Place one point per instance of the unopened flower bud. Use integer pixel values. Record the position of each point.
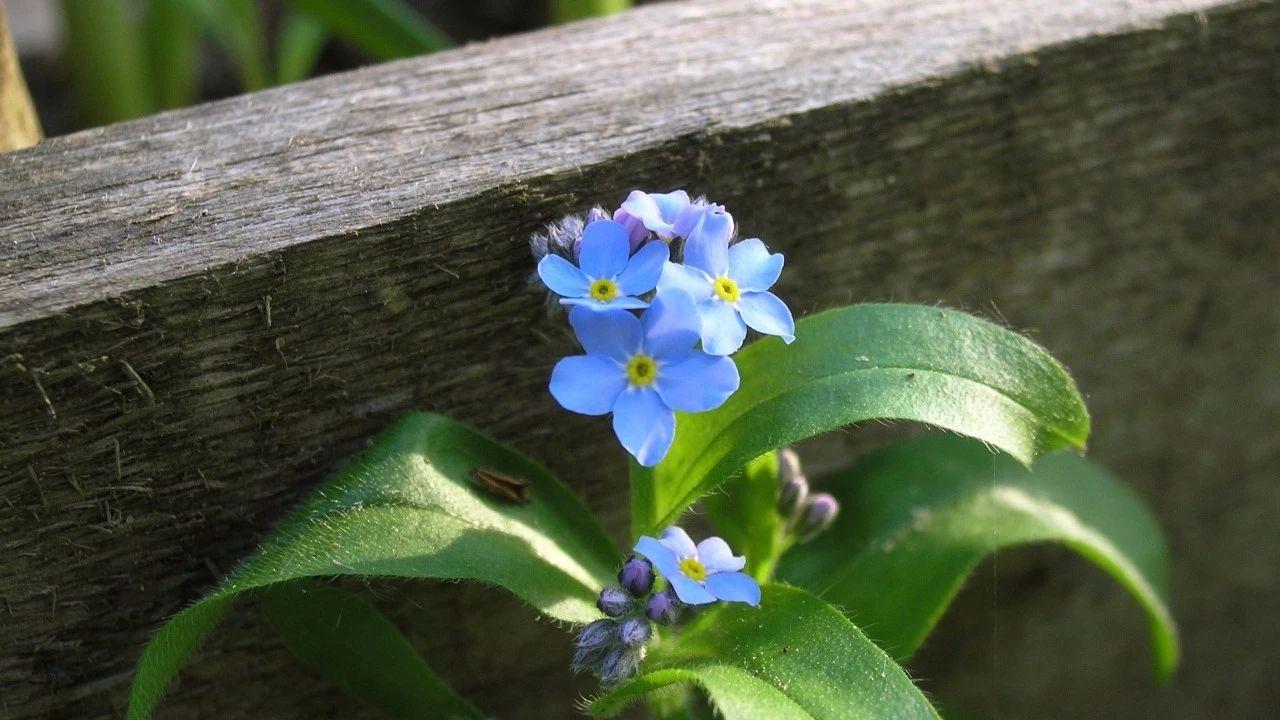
(594, 641)
(636, 576)
(635, 631)
(620, 664)
(663, 608)
(788, 465)
(793, 495)
(818, 516)
(614, 602)
(597, 213)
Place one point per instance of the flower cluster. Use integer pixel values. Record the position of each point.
(613, 647)
(675, 261)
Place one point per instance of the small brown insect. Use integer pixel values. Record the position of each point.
(511, 489)
(788, 649)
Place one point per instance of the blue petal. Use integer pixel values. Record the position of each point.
(698, 383)
(765, 313)
(734, 587)
(752, 267)
(679, 542)
(682, 277)
(716, 557)
(689, 591)
(562, 277)
(644, 425)
(587, 384)
(722, 330)
(605, 249)
(671, 326)
(658, 554)
(708, 245)
(613, 333)
(621, 302)
(644, 269)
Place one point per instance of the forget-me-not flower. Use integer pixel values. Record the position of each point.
(730, 285)
(608, 276)
(701, 573)
(641, 370)
(667, 215)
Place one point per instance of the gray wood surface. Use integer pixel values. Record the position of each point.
(202, 312)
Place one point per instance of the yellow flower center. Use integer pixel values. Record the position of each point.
(693, 569)
(727, 289)
(642, 370)
(604, 290)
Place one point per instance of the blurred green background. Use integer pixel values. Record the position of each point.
(93, 62)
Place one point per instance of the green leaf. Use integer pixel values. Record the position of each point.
(237, 28)
(358, 649)
(409, 508)
(904, 362)
(917, 517)
(106, 55)
(744, 511)
(386, 29)
(173, 51)
(793, 658)
(302, 37)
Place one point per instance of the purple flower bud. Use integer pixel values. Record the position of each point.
(663, 608)
(635, 632)
(600, 633)
(818, 516)
(636, 576)
(614, 602)
(594, 642)
(597, 213)
(620, 664)
(793, 495)
(788, 465)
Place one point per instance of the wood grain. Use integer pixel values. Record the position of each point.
(203, 312)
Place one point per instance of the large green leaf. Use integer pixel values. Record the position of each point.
(359, 650)
(409, 508)
(918, 516)
(793, 658)
(907, 362)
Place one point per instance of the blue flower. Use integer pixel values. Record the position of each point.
(668, 215)
(607, 275)
(641, 370)
(730, 286)
(699, 574)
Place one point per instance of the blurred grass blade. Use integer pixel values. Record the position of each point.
(866, 362)
(409, 508)
(358, 649)
(793, 658)
(237, 28)
(386, 29)
(107, 60)
(570, 10)
(173, 52)
(918, 516)
(298, 47)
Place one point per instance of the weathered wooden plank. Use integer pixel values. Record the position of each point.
(202, 312)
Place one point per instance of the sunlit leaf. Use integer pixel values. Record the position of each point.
(906, 362)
